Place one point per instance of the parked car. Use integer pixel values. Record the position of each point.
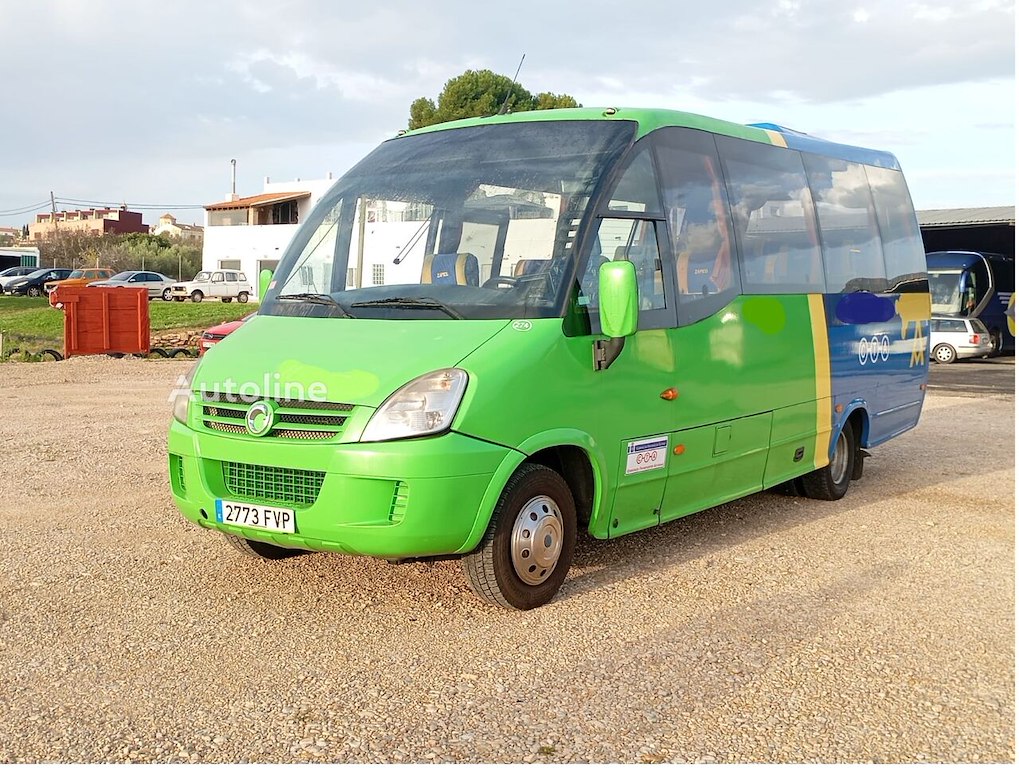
(10, 274)
(79, 277)
(32, 283)
(217, 333)
(957, 338)
(224, 284)
(157, 283)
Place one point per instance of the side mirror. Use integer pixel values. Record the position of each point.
(617, 299)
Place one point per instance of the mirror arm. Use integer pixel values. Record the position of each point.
(606, 351)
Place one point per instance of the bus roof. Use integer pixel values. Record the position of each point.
(651, 119)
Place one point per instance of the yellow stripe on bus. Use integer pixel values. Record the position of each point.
(776, 138)
(822, 378)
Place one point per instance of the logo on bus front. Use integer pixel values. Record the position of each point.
(260, 418)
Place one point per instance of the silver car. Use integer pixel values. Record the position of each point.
(157, 284)
(957, 338)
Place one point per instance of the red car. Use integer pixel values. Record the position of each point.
(217, 333)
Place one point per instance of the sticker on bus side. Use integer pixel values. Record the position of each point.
(649, 453)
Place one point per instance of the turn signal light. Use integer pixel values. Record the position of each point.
(670, 394)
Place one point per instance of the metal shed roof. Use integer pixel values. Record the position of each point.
(967, 217)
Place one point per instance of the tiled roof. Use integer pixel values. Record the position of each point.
(256, 201)
(958, 217)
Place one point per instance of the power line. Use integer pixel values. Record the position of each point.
(118, 204)
(25, 209)
(103, 203)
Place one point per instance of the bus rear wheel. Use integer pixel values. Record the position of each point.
(830, 483)
(528, 547)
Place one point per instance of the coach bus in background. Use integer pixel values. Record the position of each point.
(595, 320)
(975, 284)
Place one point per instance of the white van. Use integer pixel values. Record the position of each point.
(223, 284)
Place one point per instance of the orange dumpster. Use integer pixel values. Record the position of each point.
(98, 321)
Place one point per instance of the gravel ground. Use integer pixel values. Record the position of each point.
(773, 629)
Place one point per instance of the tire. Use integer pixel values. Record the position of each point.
(242, 297)
(997, 340)
(830, 483)
(943, 353)
(226, 299)
(504, 570)
(261, 549)
(34, 292)
(167, 295)
(197, 297)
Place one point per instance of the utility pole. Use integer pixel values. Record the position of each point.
(56, 232)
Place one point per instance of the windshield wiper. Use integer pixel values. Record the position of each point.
(315, 298)
(403, 302)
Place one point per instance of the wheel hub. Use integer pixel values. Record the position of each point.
(840, 461)
(536, 540)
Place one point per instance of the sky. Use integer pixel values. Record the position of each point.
(145, 103)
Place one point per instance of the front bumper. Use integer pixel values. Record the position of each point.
(406, 498)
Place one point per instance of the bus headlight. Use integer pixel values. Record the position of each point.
(181, 395)
(423, 406)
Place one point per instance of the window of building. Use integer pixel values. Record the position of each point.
(378, 274)
(231, 217)
(278, 213)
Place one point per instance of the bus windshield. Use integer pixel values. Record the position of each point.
(946, 291)
(477, 222)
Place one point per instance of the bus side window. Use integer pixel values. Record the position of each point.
(774, 218)
(630, 228)
(905, 262)
(700, 241)
(851, 243)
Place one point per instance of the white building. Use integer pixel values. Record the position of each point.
(251, 233)
(168, 225)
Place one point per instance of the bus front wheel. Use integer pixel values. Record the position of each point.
(831, 483)
(528, 547)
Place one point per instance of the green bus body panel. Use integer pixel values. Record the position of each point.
(360, 362)
(647, 120)
(744, 377)
(753, 357)
(406, 498)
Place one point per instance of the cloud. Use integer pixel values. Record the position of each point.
(130, 86)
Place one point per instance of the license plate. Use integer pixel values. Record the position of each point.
(250, 515)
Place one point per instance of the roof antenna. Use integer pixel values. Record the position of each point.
(502, 109)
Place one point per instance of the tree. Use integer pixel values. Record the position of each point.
(478, 93)
(137, 250)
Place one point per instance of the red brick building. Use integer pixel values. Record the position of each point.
(98, 221)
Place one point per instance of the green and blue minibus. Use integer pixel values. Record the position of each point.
(494, 334)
